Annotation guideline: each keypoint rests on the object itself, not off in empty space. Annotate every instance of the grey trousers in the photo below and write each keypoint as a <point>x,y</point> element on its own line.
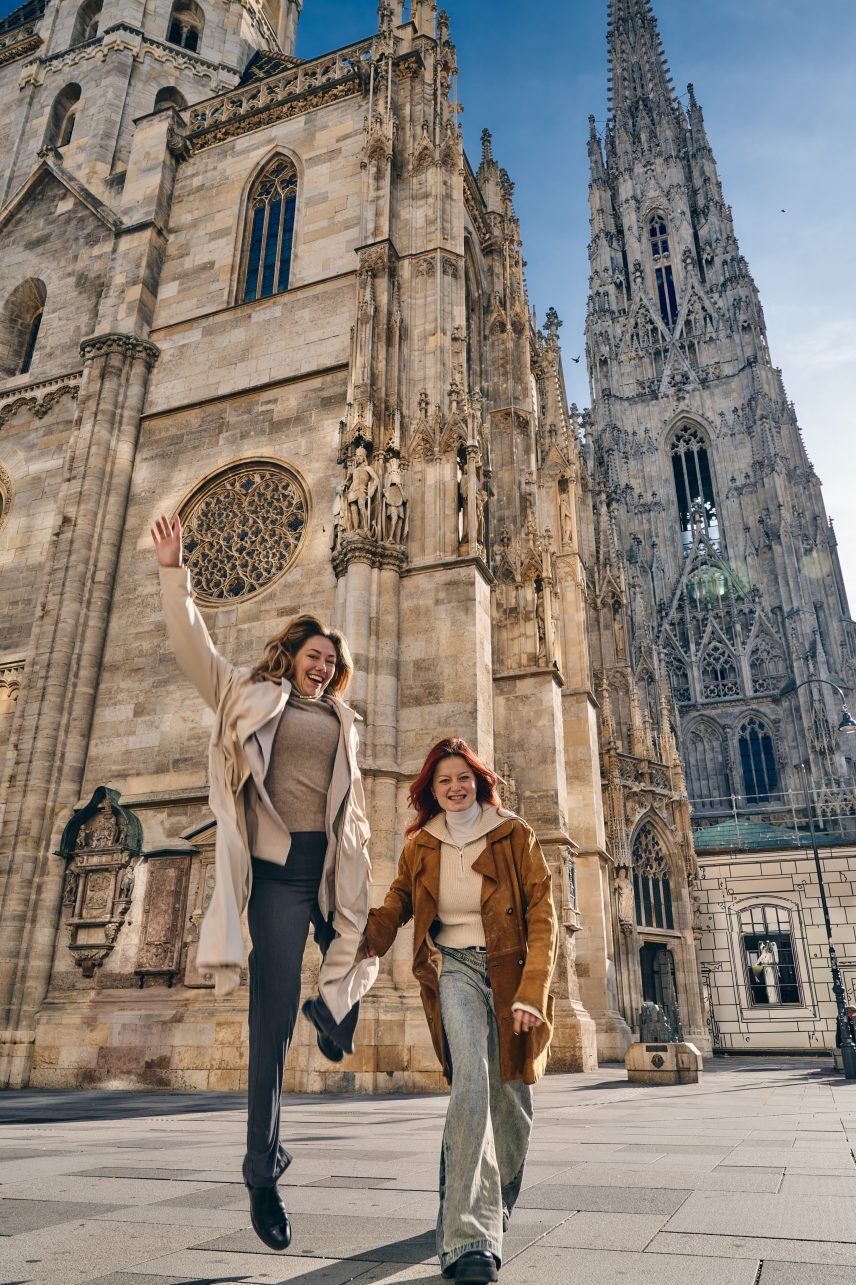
<point>283,905</point>
<point>489,1121</point>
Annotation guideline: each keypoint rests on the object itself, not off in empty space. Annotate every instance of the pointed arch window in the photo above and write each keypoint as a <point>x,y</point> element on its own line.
<point>658,235</point>
<point>719,678</point>
<point>86,22</point>
<point>20,322</point>
<point>186,24</point>
<point>697,508</point>
<point>652,885</point>
<point>679,677</point>
<point>706,765</point>
<point>269,235</point>
<point>758,761</point>
<point>768,668</point>
<point>62,116</point>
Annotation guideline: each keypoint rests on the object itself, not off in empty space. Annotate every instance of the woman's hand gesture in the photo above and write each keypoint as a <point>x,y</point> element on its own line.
<point>524,1021</point>
<point>167,538</point>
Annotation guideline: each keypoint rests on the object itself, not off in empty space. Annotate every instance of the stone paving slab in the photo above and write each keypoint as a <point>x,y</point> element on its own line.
<point>804,1274</point>
<point>604,1199</point>
<point>793,1218</point>
<point>552,1266</point>
<point>606,1231</point>
<point>17,1216</point>
<point>766,1248</point>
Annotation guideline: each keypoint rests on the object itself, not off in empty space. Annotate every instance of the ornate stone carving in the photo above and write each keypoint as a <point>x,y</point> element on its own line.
<point>38,398</point>
<point>361,489</point>
<point>624,903</point>
<point>100,843</point>
<point>243,529</point>
<point>127,345</point>
<point>395,505</point>
<point>163,917</point>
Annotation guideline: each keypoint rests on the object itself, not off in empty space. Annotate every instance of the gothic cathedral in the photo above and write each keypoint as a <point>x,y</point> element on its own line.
<point>274,296</point>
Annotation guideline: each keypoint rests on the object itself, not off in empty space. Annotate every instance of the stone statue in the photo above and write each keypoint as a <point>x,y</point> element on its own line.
<point>566,522</point>
<point>126,884</point>
<point>655,1026</point>
<point>340,516</point>
<point>394,522</point>
<point>103,830</point>
<point>69,892</point>
<point>625,906</point>
<point>362,487</point>
<point>540,624</point>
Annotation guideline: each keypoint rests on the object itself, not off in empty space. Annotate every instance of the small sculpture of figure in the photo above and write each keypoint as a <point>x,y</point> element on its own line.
<point>464,492</point>
<point>362,487</point>
<point>566,522</point>
<point>481,501</point>
<point>102,830</point>
<point>340,516</point>
<point>69,892</point>
<point>126,884</point>
<point>624,903</point>
<point>540,624</point>
<point>394,504</point>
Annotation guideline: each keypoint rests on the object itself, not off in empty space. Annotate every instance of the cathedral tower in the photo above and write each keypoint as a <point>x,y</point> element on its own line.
<point>699,456</point>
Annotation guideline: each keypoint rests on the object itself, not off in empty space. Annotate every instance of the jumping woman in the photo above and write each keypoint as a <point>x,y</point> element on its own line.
<point>474,880</point>
<point>286,794</point>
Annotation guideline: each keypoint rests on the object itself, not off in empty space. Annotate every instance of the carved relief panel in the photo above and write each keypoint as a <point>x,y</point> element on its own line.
<point>162,927</point>
<point>101,844</point>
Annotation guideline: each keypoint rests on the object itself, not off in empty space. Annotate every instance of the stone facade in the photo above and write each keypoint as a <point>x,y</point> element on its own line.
<point>285,305</point>
<point>763,947</point>
<point>722,551</point>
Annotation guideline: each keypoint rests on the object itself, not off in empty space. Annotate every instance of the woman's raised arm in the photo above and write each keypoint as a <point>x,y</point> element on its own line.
<point>196,654</point>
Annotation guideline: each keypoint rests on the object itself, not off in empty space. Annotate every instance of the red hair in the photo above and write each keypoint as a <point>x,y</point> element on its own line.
<point>421,797</point>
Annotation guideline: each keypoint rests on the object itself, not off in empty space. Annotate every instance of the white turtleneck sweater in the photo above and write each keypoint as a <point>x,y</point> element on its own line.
<point>459,906</point>
<point>459,899</point>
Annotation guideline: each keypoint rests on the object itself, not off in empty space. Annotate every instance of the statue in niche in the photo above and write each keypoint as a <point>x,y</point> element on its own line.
<point>362,487</point>
<point>625,906</point>
<point>340,516</point>
<point>126,884</point>
<point>481,501</point>
<point>394,521</point>
<point>566,520</point>
<point>540,621</point>
<point>69,892</point>
<point>103,830</point>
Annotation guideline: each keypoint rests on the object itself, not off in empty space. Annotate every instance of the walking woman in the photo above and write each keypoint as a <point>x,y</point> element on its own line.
<point>474,880</point>
<point>286,794</point>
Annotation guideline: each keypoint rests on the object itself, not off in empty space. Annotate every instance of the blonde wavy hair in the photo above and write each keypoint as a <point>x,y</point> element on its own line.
<point>277,662</point>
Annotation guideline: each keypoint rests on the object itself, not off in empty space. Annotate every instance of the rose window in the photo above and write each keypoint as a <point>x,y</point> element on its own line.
<point>242,530</point>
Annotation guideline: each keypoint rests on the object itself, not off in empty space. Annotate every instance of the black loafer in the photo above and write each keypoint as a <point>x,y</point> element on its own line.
<point>476,1267</point>
<point>328,1046</point>
<point>269,1217</point>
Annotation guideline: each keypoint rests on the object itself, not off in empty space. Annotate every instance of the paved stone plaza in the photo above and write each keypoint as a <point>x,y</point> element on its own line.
<point>746,1179</point>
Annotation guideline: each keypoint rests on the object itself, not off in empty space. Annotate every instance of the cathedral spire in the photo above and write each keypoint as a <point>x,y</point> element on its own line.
<point>638,71</point>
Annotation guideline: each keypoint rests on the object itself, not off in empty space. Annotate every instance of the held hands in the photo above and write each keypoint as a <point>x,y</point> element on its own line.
<point>167,540</point>
<point>524,1022</point>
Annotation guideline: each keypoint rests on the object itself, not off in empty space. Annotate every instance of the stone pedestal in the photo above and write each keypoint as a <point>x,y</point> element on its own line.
<point>663,1064</point>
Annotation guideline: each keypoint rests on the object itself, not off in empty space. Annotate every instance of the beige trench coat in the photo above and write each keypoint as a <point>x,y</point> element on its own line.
<point>247,715</point>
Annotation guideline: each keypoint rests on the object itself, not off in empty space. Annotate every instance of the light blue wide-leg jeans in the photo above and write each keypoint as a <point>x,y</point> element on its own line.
<point>488,1123</point>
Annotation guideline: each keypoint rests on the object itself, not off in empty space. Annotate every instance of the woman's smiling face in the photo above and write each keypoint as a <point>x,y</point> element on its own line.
<point>314,667</point>
<point>454,784</point>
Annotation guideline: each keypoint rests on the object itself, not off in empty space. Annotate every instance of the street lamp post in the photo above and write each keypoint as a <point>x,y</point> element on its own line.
<point>845,1034</point>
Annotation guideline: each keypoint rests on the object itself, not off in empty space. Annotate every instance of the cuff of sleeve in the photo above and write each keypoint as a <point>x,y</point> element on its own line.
<point>527,1008</point>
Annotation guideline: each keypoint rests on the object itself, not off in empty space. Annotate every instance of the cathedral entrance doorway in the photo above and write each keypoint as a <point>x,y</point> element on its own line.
<point>657,965</point>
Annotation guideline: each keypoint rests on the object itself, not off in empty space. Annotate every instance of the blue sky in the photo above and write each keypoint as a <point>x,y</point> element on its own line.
<point>777,81</point>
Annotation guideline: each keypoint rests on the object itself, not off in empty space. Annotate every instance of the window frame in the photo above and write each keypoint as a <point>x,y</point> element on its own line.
<point>289,192</point>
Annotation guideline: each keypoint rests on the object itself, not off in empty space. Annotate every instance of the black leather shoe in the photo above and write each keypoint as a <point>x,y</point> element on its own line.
<point>269,1217</point>
<point>476,1267</point>
<point>328,1046</point>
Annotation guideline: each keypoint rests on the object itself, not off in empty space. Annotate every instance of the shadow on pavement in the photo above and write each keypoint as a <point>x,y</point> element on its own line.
<point>38,1107</point>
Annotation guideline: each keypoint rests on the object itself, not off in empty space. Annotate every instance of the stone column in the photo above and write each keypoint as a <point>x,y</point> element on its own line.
<point>54,717</point>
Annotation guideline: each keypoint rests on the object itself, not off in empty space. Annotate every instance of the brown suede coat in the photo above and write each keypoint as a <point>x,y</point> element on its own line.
<point>520,928</point>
